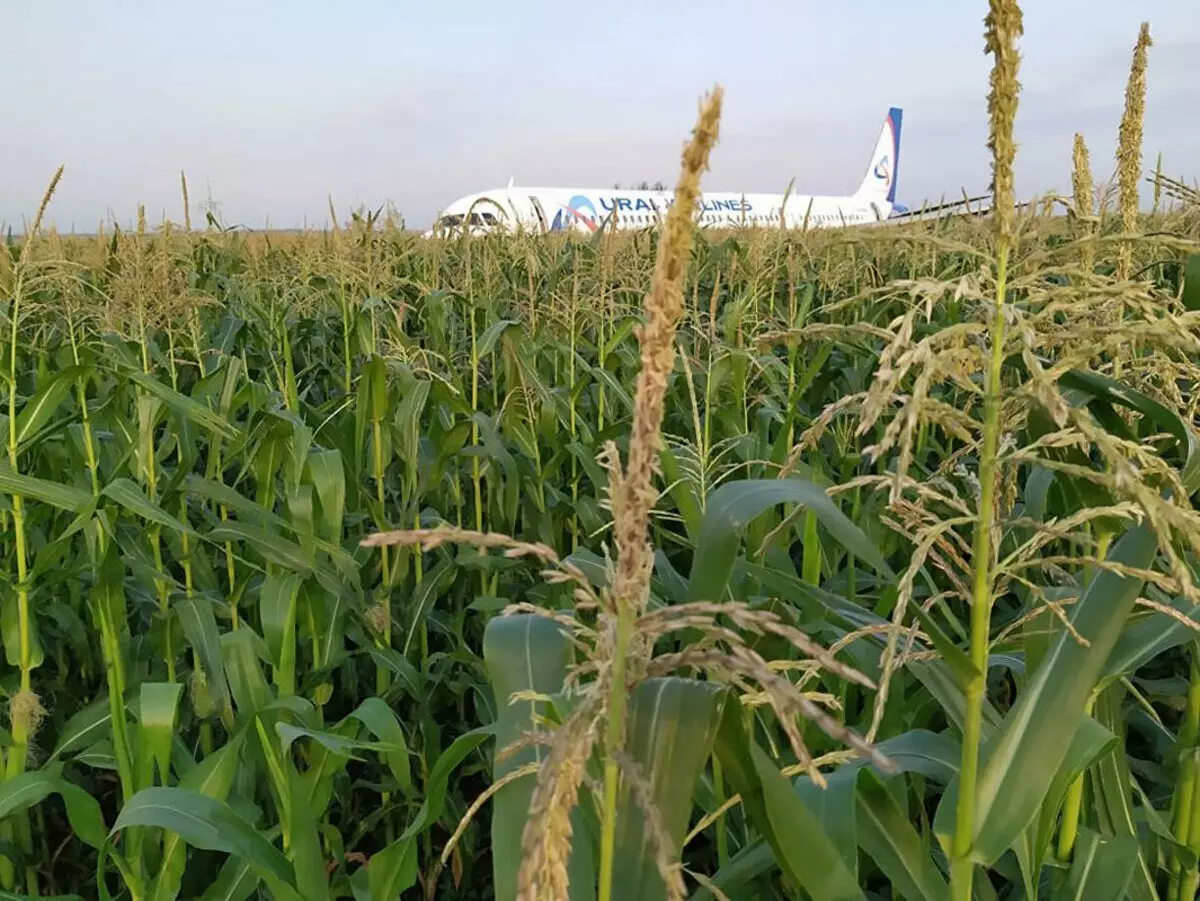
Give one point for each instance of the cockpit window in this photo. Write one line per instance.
(475, 219)
(455, 221)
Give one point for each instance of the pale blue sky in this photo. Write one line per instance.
(270, 105)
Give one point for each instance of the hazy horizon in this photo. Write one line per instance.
(271, 109)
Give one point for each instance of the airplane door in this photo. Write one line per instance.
(539, 212)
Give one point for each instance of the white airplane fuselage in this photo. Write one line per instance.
(543, 210)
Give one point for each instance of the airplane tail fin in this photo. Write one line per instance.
(879, 184)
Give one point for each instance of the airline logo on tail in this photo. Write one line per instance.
(883, 169)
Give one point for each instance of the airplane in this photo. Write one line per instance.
(547, 210)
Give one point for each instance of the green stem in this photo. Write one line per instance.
(1191, 879)
(18, 754)
(89, 444)
(382, 675)
(615, 730)
(111, 644)
(19, 751)
(347, 327)
(961, 866)
(572, 426)
(1072, 809)
(603, 352)
(1073, 806)
(377, 445)
(1185, 791)
(719, 825)
(150, 471)
(419, 573)
(812, 550)
(476, 475)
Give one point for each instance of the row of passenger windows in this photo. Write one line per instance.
(771, 218)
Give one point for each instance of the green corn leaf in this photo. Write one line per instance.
(935, 675)
(732, 506)
(325, 759)
(189, 409)
(53, 494)
(938, 679)
(127, 493)
(38, 409)
(613, 388)
(671, 726)
(525, 653)
(1112, 792)
(834, 808)
(275, 549)
(278, 609)
(740, 874)
(983, 888)
(935, 757)
(591, 565)
(616, 338)
(393, 871)
(1034, 847)
(1113, 392)
(888, 837)
(439, 779)
(326, 621)
(50, 557)
(587, 462)
(408, 418)
(199, 624)
(956, 659)
(391, 660)
(304, 842)
(212, 777)
(1148, 635)
(328, 478)
(158, 711)
(375, 383)
(673, 585)
(236, 881)
(206, 823)
(434, 583)
(929, 754)
(381, 722)
(24, 790)
(338, 744)
(243, 669)
(83, 729)
(1019, 762)
(804, 852)
(1191, 283)
(1101, 868)
(497, 451)
(245, 507)
(821, 869)
(491, 336)
(682, 490)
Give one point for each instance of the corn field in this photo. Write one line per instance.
(846, 564)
